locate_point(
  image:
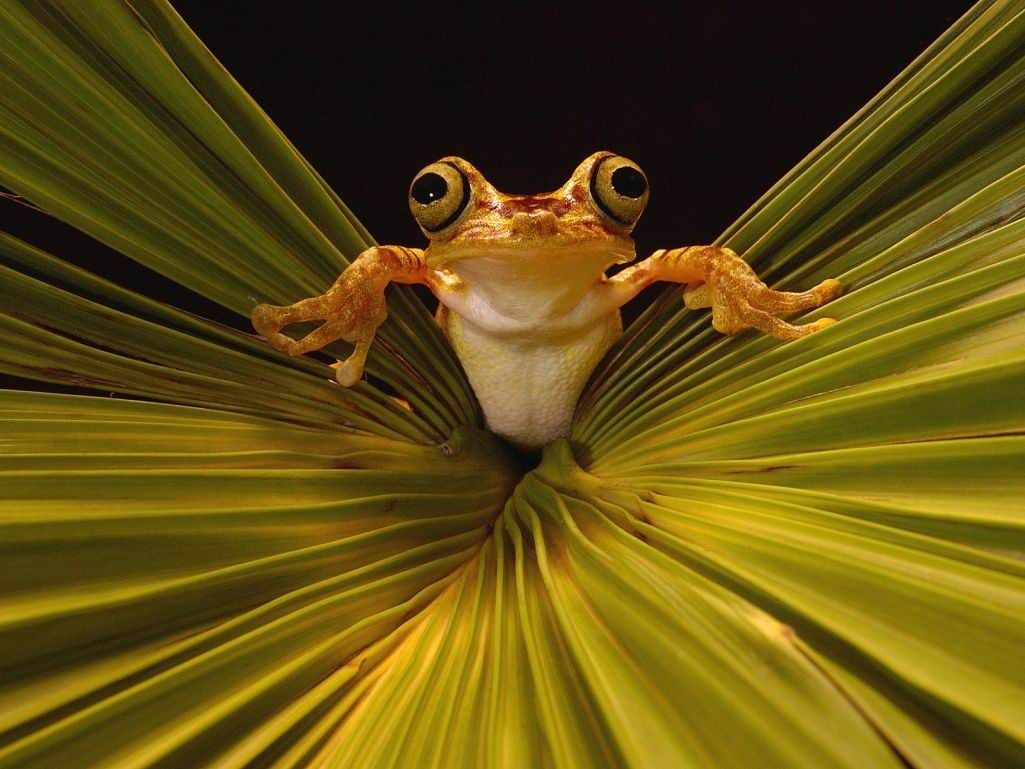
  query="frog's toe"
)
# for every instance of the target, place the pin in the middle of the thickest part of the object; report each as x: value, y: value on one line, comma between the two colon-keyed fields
x: 756, y: 307
x: 732, y: 317
x: 817, y: 325
x: 699, y: 297
x: 263, y: 316
x: 349, y: 371
x: 267, y: 320
x: 766, y: 299
x: 780, y: 329
x: 323, y: 335
x: 728, y: 321
x: 773, y: 326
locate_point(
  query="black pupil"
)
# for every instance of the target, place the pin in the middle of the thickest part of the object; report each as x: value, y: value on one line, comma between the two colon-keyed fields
x: 428, y: 188
x: 628, y: 182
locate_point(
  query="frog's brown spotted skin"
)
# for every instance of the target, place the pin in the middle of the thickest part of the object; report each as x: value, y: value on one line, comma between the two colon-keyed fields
x: 524, y: 299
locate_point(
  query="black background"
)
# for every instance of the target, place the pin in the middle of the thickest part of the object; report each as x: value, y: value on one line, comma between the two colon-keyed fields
x: 715, y: 100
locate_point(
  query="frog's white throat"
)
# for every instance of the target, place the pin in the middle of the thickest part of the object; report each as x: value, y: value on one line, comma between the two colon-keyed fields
x: 534, y: 286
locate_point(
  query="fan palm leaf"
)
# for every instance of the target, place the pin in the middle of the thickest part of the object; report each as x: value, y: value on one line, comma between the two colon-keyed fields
x: 746, y: 553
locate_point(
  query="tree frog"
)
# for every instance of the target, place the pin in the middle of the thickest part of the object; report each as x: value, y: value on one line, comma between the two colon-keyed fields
x: 524, y: 298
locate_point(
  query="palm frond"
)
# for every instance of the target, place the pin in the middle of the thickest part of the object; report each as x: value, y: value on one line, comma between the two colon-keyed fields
x: 174, y: 575
x: 134, y: 135
x: 747, y: 554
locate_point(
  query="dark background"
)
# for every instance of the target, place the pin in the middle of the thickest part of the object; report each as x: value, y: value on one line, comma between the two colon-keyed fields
x: 715, y: 100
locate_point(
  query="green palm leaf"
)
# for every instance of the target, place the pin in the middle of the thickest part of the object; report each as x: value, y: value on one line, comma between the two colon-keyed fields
x: 747, y: 554
x: 104, y: 128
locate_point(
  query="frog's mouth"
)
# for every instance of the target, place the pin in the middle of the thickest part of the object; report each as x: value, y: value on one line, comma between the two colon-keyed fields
x: 533, y: 253
x: 531, y: 282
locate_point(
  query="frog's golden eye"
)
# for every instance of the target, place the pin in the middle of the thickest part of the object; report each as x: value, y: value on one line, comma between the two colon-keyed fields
x: 438, y: 196
x: 619, y: 189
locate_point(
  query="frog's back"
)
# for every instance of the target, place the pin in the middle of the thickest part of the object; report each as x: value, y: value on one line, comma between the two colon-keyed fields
x: 528, y: 384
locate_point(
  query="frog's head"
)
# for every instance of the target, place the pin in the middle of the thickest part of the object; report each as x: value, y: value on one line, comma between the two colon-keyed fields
x: 589, y: 218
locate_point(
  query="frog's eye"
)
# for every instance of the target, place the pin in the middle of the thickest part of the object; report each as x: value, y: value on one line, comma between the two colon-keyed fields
x: 438, y: 196
x: 619, y: 189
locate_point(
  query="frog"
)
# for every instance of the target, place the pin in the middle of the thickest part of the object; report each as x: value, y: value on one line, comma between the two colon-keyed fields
x: 524, y: 294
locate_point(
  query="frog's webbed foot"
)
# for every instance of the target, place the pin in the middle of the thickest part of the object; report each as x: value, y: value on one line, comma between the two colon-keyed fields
x: 354, y: 322
x: 740, y: 300
x: 716, y: 277
x: 351, y: 309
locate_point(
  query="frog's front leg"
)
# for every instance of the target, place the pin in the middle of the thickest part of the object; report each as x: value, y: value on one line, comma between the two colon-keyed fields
x: 351, y: 309
x: 716, y: 277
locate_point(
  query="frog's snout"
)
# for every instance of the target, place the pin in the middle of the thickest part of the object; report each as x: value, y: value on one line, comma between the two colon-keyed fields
x: 538, y: 223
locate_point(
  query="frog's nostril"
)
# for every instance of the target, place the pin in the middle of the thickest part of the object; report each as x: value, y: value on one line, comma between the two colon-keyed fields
x: 535, y: 223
